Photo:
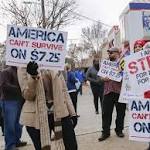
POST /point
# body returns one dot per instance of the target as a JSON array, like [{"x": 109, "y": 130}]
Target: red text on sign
[
  {"x": 140, "y": 64},
  {"x": 18, "y": 43}
]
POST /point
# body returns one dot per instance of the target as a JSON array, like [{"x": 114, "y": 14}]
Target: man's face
[
  {"x": 113, "y": 55},
  {"x": 96, "y": 62}
]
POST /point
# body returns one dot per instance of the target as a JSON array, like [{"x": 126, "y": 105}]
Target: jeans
[
  {"x": 12, "y": 129},
  {"x": 1, "y": 118}
]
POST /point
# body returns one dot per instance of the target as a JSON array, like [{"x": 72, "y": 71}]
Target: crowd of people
[{"x": 45, "y": 101}]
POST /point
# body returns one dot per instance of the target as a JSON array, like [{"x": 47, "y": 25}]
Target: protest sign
[
  {"x": 46, "y": 47},
  {"x": 138, "y": 69},
  {"x": 139, "y": 119},
  {"x": 110, "y": 70}
]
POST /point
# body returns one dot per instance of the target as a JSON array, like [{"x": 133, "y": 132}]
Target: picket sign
[
  {"x": 46, "y": 47},
  {"x": 136, "y": 92},
  {"x": 110, "y": 70},
  {"x": 137, "y": 67},
  {"x": 139, "y": 119}
]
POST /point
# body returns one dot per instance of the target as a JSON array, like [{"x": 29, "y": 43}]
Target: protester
[
  {"x": 1, "y": 120},
  {"x": 71, "y": 81},
  {"x": 97, "y": 85},
  {"x": 47, "y": 105},
  {"x": 1, "y": 115},
  {"x": 111, "y": 96},
  {"x": 138, "y": 46},
  {"x": 12, "y": 102},
  {"x": 79, "y": 74}
]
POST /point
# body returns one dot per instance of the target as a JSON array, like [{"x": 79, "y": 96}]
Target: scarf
[{"x": 43, "y": 115}]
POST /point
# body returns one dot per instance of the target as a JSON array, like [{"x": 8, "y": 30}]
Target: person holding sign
[
  {"x": 138, "y": 46},
  {"x": 111, "y": 96},
  {"x": 47, "y": 106}
]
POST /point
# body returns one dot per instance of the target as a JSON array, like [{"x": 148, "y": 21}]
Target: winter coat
[
  {"x": 9, "y": 86},
  {"x": 35, "y": 101},
  {"x": 62, "y": 102}
]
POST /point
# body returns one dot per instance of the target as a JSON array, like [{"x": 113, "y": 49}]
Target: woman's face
[{"x": 137, "y": 48}]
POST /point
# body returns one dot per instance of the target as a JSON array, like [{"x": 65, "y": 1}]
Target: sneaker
[
  {"x": 103, "y": 137},
  {"x": 21, "y": 143},
  {"x": 120, "y": 134}
]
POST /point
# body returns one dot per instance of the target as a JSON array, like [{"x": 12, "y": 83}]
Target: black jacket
[{"x": 9, "y": 86}]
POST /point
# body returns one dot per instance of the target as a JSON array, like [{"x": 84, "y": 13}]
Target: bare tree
[
  {"x": 77, "y": 53},
  {"x": 58, "y": 13},
  {"x": 93, "y": 37},
  {"x": 73, "y": 52},
  {"x": 2, "y": 54}
]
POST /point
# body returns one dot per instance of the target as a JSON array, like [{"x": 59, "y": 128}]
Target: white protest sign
[
  {"x": 110, "y": 69},
  {"x": 46, "y": 47},
  {"x": 138, "y": 70},
  {"x": 139, "y": 119}
]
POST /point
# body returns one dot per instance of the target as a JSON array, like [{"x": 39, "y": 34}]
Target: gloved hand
[
  {"x": 32, "y": 67},
  {"x": 74, "y": 120}
]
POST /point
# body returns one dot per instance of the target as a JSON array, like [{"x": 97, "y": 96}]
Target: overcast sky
[{"x": 107, "y": 11}]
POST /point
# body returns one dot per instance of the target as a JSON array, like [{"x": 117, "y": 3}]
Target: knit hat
[{"x": 140, "y": 42}]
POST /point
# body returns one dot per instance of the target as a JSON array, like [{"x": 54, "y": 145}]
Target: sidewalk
[{"x": 88, "y": 130}]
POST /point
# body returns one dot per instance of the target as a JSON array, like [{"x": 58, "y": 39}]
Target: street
[{"x": 88, "y": 130}]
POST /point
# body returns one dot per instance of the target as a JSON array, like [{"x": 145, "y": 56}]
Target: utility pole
[{"x": 43, "y": 13}]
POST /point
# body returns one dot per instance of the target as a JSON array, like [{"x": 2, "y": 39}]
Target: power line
[
  {"x": 88, "y": 18},
  {"x": 83, "y": 16}
]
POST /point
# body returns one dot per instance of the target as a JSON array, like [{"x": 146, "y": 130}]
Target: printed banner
[
  {"x": 139, "y": 120},
  {"x": 46, "y": 47},
  {"x": 110, "y": 70},
  {"x": 138, "y": 69}
]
